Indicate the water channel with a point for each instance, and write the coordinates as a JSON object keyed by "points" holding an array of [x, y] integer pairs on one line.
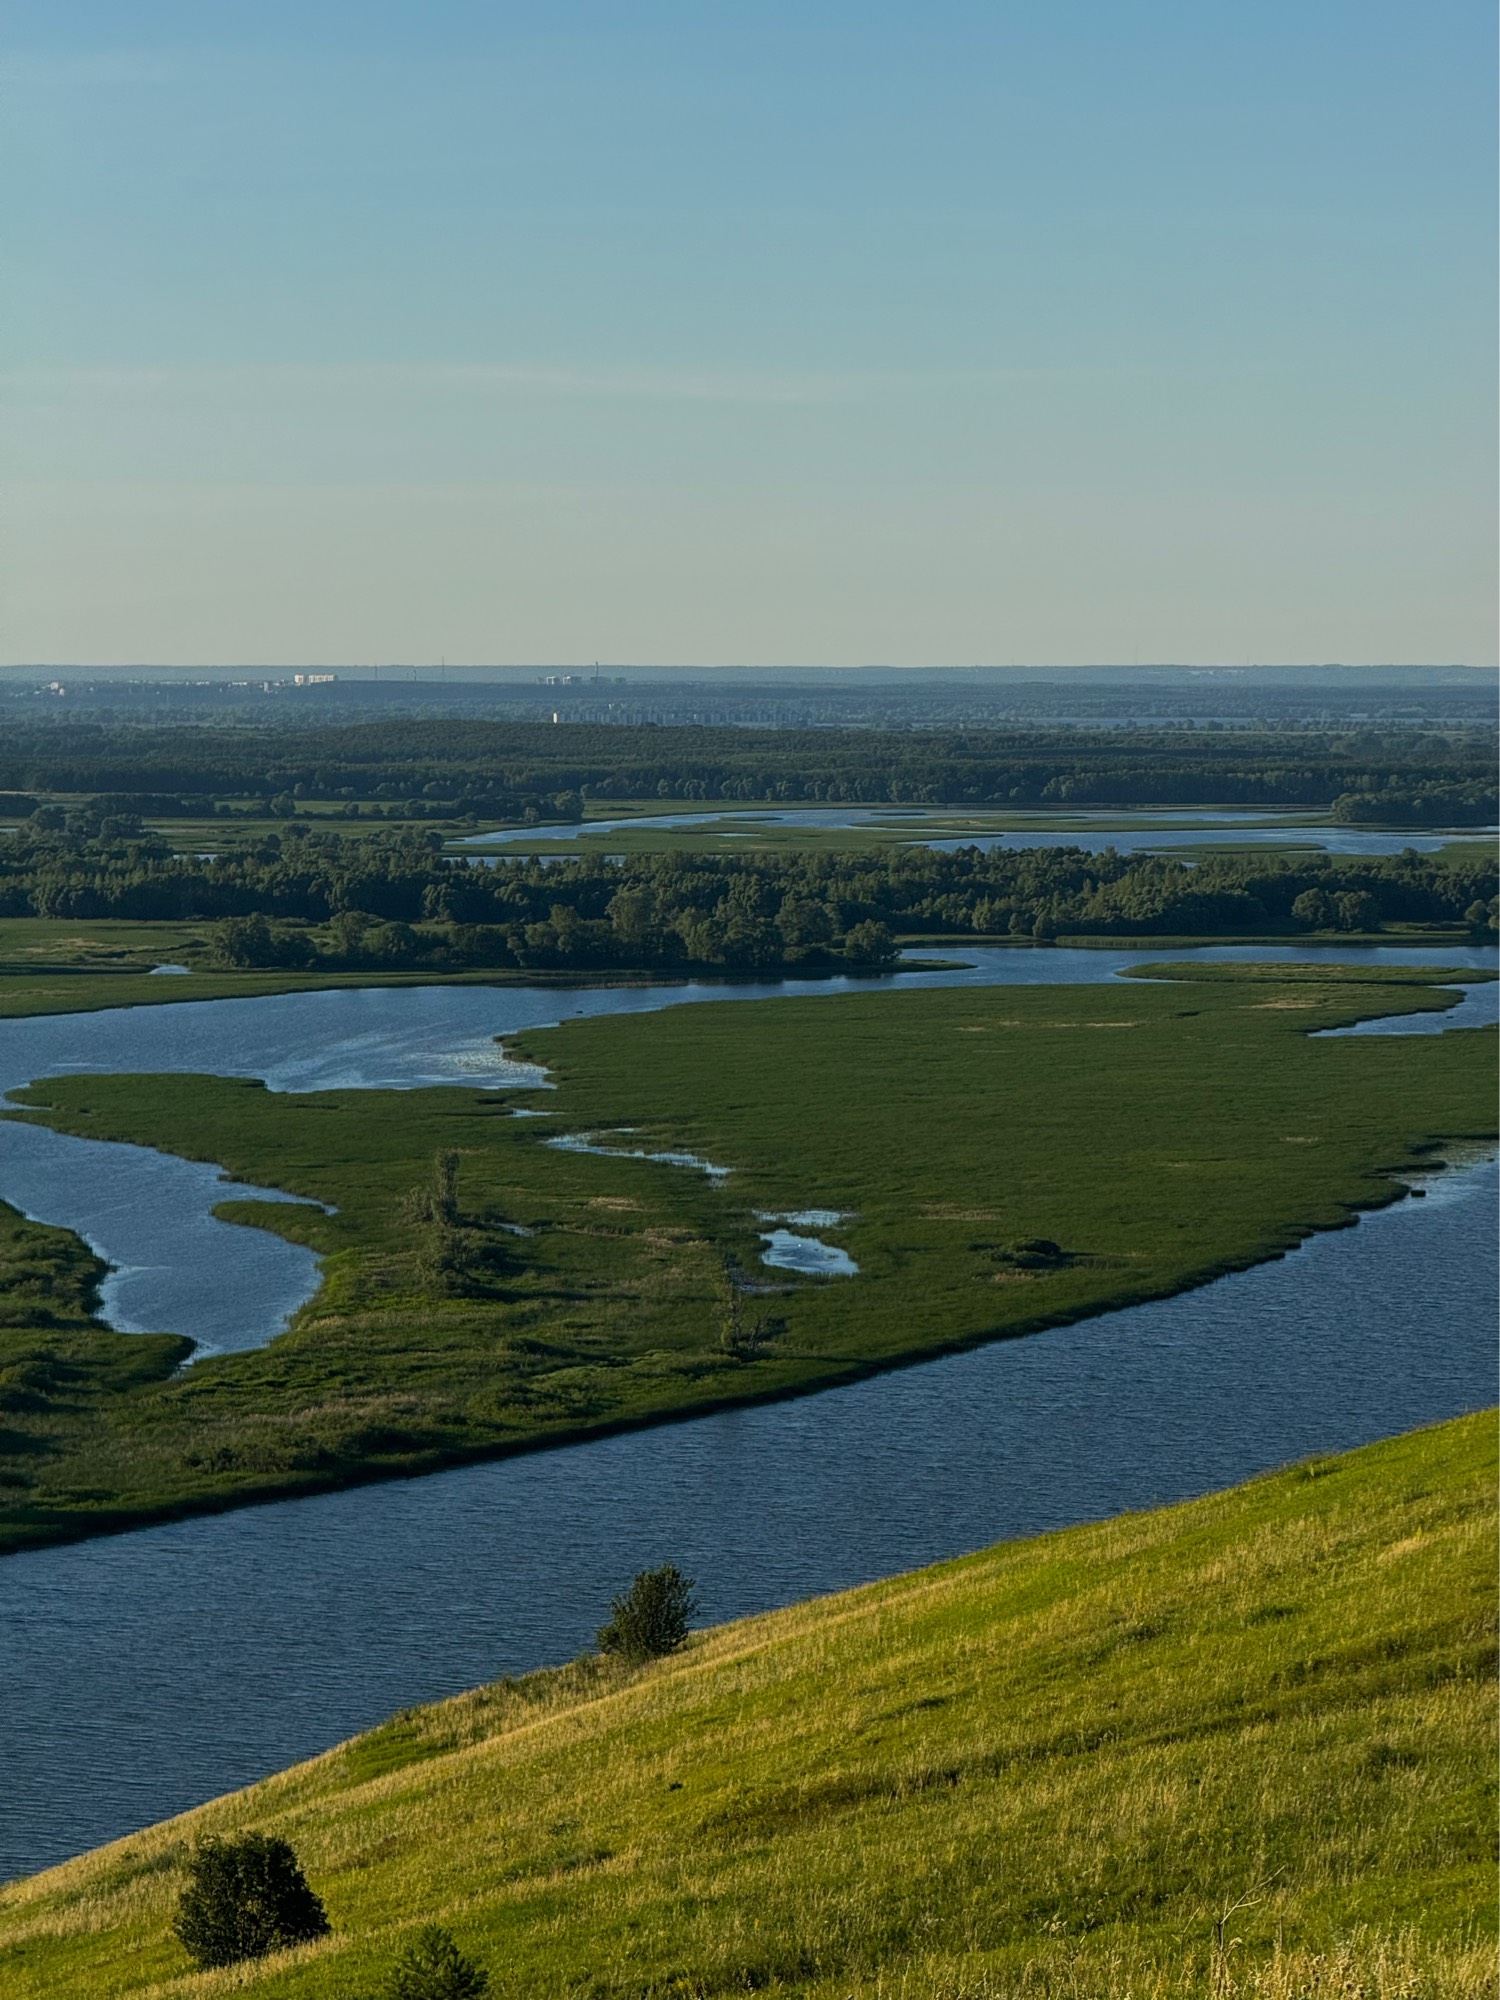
{"points": [[1141, 833], [177, 1269], [148, 1671]]}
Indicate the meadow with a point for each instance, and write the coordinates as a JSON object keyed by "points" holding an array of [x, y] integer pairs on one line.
{"points": [[1004, 1160], [1240, 1748]]}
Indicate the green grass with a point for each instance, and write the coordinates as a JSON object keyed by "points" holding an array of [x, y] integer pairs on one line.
{"points": [[1161, 1134], [1050, 1769], [66, 966], [1307, 973], [53, 1353], [39, 947]]}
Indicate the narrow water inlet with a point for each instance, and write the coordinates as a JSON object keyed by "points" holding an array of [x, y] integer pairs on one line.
{"points": [[583, 1142]]}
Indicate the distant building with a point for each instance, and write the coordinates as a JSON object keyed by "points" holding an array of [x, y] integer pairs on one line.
{"points": [[312, 680]]}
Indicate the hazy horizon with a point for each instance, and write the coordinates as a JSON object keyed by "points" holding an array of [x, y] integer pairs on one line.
{"points": [[822, 334]]}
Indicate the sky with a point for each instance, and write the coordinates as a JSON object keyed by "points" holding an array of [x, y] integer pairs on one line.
{"points": [[350, 331]]}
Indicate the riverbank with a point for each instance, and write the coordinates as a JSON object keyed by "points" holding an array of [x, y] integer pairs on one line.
{"points": [[1154, 1137], [53, 966], [1047, 1769]]}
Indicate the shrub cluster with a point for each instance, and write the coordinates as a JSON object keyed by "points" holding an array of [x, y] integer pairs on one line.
{"points": [[650, 1619], [244, 1898]]}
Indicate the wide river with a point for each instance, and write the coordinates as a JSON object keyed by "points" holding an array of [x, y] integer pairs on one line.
{"points": [[148, 1671]]}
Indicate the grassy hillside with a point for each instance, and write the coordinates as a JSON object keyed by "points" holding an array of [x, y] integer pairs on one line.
{"points": [[1240, 1747], [1157, 1133]]}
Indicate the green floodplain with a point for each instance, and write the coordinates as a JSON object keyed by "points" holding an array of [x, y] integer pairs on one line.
{"points": [[669, 826], [1241, 1748], [729, 830], [1148, 1136]]}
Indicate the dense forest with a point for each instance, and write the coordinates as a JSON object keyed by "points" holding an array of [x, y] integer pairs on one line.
{"points": [[305, 898], [537, 771]]}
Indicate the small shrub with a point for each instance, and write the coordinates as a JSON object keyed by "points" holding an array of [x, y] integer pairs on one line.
{"points": [[651, 1618], [244, 1898], [1036, 1253], [433, 1968]]}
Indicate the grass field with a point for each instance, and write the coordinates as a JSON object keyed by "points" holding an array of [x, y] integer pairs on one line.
{"points": [[1157, 1134], [1241, 1748], [78, 966]]}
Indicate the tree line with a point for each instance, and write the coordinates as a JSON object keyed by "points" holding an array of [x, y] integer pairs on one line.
{"points": [[540, 771], [304, 898]]}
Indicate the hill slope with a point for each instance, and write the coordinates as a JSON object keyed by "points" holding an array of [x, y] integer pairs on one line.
{"points": [[1050, 1768]]}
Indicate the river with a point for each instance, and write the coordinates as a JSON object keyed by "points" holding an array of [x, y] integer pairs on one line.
{"points": [[146, 1672], [176, 1268]]}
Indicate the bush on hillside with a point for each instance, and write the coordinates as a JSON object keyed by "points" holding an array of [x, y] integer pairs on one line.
{"points": [[433, 1968], [651, 1618], [1036, 1253], [244, 1898]]}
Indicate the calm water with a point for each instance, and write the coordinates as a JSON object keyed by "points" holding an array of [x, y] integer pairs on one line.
{"points": [[178, 1269], [147, 1672], [1142, 833]]}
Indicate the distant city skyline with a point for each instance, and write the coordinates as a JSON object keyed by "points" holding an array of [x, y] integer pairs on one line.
{"points": [[799, 335]]}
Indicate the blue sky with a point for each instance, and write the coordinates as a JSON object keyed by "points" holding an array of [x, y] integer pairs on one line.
{"points": [[675, 333]]}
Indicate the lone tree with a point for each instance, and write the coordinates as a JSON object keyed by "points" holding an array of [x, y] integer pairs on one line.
{"points": [[433, 1968], [651, 1618], [446, 1253], [244, 1898], [436, 1200]]}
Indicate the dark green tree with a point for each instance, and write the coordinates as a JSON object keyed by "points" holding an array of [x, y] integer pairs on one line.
{"points": [[244, 1898], [1358, 910], [433, 1968], [651, 1618], [436, 1200]]}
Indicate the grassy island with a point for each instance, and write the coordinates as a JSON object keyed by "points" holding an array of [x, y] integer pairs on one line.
{"points": [[1242, 1747], [486, 1292]]}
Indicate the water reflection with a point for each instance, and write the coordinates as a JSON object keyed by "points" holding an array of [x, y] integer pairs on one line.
{"points": [[807, 1254]]}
